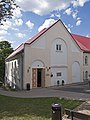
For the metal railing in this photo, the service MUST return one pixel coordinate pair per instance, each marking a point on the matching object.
(57, 113)
(72, 114)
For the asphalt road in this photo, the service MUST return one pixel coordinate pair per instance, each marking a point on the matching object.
(79, 91)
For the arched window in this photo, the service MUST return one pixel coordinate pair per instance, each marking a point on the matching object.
(86, 60)
(86, 75)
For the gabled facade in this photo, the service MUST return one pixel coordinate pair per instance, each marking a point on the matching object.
(48, 58)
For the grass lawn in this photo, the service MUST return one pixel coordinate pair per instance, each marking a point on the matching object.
(31, 109)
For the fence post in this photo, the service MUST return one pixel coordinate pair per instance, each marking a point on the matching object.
(56, 111)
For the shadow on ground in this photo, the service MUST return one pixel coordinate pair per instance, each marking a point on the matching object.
(80, 88)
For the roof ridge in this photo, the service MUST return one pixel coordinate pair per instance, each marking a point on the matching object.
(19, 46)
(40, 33)
(35, 36)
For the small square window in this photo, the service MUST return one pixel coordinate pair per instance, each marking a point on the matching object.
(58, 47)
(59, 74)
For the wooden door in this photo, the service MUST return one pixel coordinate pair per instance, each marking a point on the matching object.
(43, 77)
(34, 77)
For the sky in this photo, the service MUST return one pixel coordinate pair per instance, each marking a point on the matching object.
(34, 15)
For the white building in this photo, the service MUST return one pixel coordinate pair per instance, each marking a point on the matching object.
(51, 56)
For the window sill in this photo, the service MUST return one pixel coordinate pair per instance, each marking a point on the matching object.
(59, 51)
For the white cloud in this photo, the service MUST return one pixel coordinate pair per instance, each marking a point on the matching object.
(70, 26)
(80, 3)
(55, 15)
(78, 18)
(17, 13)
(18, 22)
(3, 32)
(15, 29)
(52, 15)
(2, 38)
(46, 24)
(78, 21)
(29, 24)
(88, 35)
(6, 25)
(11, 24)
(68, 11)
(74, 14)
(20, 35)
(42, 7)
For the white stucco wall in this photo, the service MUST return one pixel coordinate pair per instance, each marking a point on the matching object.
(13, 72)
(43, 49)
(58, 57)
(56, 78)
(41, 43)
(86, 67)
(42, 54)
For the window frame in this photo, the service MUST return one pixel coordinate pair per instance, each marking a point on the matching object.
(58, 47)
(86, 60)
(59, 74)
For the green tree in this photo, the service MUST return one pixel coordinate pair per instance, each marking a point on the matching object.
(5, 50)
(6, 9)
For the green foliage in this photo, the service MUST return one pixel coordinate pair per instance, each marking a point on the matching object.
(4, 44)
(5, 50)
(6, 9)
(31, 108)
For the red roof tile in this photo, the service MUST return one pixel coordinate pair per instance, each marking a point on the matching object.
(36, 36)
(21, 47)
(83, 42)
(16, 51)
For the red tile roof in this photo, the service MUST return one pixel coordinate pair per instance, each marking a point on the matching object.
(21, 47)
(83, 42)
(39, 34)
(16, 51)
(36, 36)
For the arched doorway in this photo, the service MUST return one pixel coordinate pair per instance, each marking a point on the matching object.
(38, 74)
(75, 72)
(86, 75)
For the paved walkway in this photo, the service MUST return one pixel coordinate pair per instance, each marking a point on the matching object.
(68, 91)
